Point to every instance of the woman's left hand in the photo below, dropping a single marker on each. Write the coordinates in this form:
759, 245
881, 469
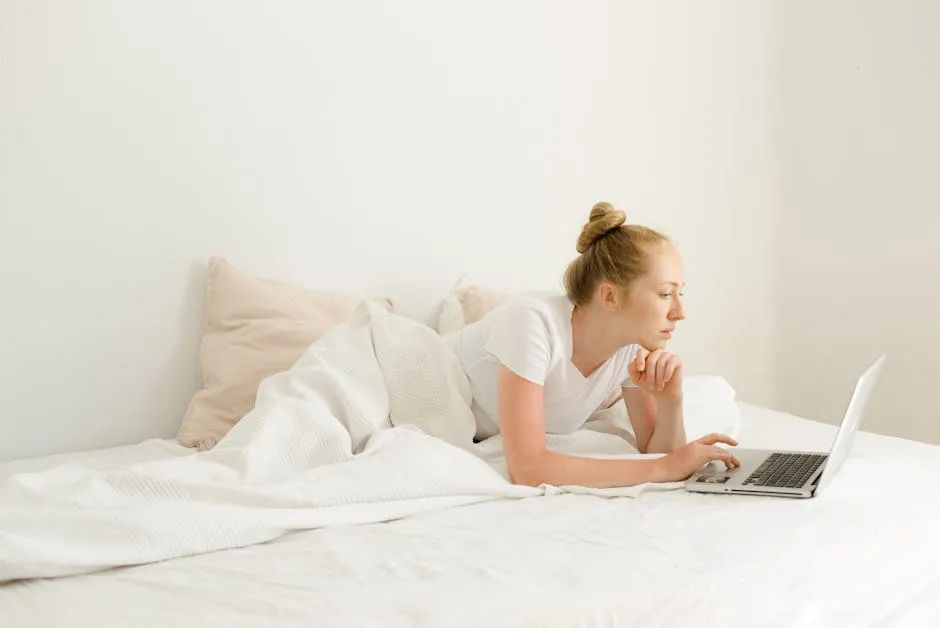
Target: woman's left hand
658, 373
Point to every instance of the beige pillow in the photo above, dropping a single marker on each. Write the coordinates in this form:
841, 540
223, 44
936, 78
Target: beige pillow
467, 303
477, 301
253, 328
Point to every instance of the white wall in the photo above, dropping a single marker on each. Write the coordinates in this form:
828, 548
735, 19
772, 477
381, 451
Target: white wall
329, 144
859, 221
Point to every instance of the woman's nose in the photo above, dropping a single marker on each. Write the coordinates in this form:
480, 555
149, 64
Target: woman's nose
678, 311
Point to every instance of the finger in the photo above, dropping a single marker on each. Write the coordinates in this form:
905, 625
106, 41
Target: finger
651, 363
725, 456
640, 359
728, 457
635, 374
671, 367
661, 365
711, 439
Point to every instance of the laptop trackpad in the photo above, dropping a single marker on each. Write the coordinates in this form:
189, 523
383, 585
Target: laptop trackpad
713, 479
713, 473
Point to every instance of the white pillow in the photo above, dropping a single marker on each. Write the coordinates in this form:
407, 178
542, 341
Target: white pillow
450, 317
709, 406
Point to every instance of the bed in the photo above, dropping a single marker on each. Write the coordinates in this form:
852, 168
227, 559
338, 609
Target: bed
865, 554
448, 544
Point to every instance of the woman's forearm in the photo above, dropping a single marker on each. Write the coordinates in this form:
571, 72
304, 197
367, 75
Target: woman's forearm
669, 429
548, 467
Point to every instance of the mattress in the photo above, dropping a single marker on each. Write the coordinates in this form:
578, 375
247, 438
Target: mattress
866, 553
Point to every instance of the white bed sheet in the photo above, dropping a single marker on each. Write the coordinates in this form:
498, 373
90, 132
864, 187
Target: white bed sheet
867, 553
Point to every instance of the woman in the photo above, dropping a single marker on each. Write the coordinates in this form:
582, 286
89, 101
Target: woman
544, 365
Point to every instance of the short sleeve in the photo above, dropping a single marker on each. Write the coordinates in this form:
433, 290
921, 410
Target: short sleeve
520, 341
631, 352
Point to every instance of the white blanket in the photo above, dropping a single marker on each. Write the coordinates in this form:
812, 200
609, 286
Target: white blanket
372, 424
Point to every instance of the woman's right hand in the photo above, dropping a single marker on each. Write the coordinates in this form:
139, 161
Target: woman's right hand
686, 460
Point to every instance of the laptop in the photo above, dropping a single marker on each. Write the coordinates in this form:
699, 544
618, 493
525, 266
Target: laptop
784, 473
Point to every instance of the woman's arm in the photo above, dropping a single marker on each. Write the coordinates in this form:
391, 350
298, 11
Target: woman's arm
655, 405
522, 425
658, 423
641, 408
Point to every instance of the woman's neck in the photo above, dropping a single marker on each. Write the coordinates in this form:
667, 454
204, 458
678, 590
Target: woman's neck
592, 343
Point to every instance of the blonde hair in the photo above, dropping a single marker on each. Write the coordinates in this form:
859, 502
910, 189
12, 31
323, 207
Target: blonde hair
609, 250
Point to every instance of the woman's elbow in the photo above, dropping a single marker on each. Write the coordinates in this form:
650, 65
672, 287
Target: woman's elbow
526, 478
527, 471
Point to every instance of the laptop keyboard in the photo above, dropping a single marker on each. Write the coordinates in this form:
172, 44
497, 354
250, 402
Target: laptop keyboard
785, 470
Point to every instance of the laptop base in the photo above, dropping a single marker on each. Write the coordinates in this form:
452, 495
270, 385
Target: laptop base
715, 478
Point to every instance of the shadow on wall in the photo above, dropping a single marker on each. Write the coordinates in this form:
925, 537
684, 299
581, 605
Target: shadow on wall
180, 378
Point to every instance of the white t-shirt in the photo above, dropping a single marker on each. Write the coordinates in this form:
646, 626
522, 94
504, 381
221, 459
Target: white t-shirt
532, 337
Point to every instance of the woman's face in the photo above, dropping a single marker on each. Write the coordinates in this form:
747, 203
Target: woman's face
653, 304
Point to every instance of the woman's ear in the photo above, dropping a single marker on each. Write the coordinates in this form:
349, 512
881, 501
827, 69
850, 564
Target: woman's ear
611, 297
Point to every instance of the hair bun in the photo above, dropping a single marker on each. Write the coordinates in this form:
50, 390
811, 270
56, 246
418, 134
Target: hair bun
604, 218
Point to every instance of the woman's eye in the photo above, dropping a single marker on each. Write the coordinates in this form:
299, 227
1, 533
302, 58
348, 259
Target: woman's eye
665, 296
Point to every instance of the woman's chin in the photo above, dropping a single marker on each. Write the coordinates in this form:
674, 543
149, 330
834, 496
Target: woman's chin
654, 344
